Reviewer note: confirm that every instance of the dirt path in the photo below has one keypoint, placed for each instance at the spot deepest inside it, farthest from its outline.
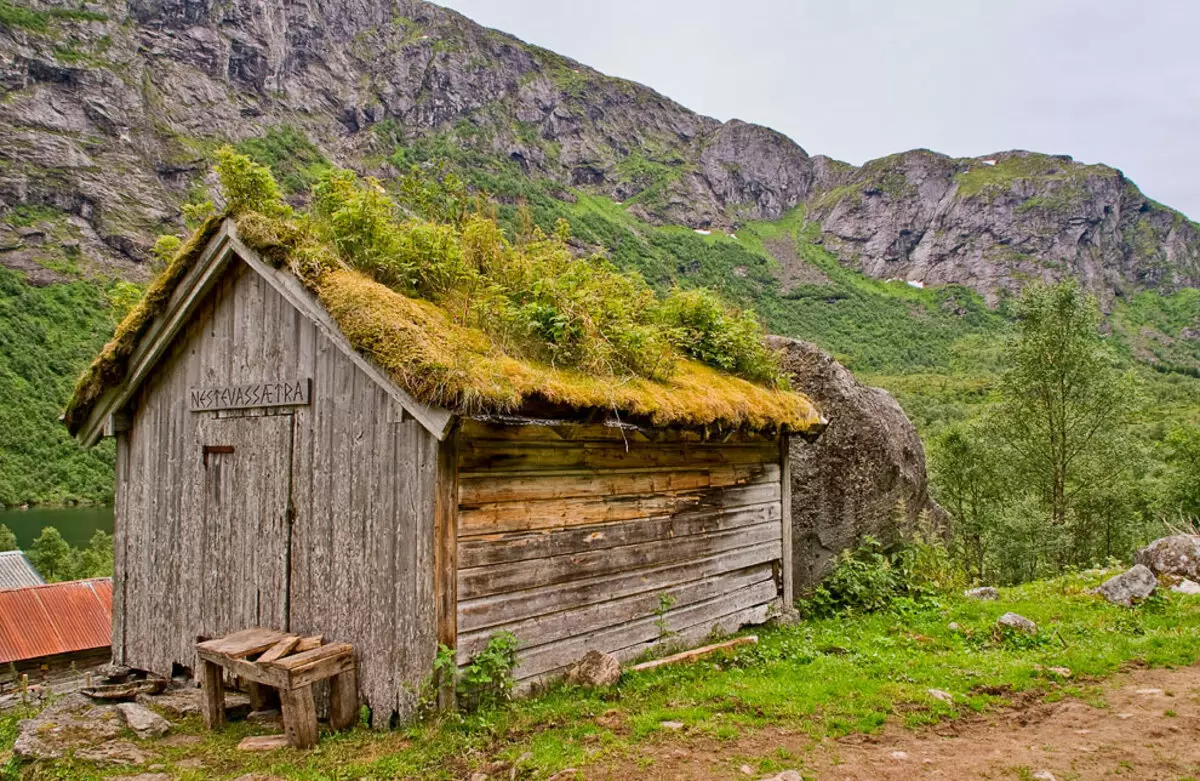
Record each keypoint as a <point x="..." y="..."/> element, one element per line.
<point x="1147" y="727"/>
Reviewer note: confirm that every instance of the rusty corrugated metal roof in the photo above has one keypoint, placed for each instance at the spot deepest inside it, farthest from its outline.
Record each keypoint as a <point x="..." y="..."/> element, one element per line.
<point x="16" y="571"/>
<point x="58" y="618"/>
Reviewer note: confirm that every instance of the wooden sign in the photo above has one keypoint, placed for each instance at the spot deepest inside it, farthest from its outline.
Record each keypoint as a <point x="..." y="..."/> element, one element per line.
<point x="287" y="393"/>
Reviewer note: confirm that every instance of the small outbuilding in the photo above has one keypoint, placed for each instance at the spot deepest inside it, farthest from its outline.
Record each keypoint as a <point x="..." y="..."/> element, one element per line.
<point x="16" y="571"/>
<point x="52" y="633"/>
<point x="276" y="468"/>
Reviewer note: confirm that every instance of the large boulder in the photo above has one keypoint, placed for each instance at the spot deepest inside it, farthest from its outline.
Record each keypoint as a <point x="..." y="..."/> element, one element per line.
<point x="865" y="475"/>
<point x="1176" y="555"/>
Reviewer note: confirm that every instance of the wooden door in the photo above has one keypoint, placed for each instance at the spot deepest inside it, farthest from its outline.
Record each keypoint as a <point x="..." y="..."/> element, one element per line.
<point x="245" y="487"/>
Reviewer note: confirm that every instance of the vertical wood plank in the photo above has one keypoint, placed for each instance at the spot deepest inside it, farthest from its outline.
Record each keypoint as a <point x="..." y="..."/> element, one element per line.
<point x="299" y="716"/>
<point x="212" y="695"/>
<point x="785" y="477"/>
<point x="343" y="700"/>
<point x="445" y="555"/>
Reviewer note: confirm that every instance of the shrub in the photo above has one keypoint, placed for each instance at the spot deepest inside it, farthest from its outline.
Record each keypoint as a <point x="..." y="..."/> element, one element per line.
<point x="488" y="678"/>
<point x="247" y="185"/>
<point x="706" y="328"/>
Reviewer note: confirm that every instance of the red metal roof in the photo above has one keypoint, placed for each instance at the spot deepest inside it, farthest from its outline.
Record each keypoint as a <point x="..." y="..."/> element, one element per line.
<point x="57" y="618"/>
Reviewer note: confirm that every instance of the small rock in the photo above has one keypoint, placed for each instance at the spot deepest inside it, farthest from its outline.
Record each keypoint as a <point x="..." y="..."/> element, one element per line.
<point x="1043" y="775"/>
<point x="787" y="775"/>
<point x="1186" y="586"/>
<point x="566" y="774"/>
<point x="179" y="702"/>
<point x="1178" y="554"/>
<point x="596" y="668"/>
<point x="1018" y="622"/>
<point x="1149" y="691"/>
<point x="263" y="743"/>
<point x="115" y="673"/>
<point x="479" y="777"/>
<point x="1135" y="584"/>
<point x="983" y="592"/>
<point x="146" y="777"/>
<point x="953" y="626"/>
<point x="144" y="722"/>
<point x="938" y="694"/>
<point x="1061" y="672"/>
<point x="746" y="770"/>
<point x="179" y="741"/>
<point x="114" y="752"/>
<point x="258" y="777"/>
<point x="671" y="725"/>
<point x="899" y="755"/>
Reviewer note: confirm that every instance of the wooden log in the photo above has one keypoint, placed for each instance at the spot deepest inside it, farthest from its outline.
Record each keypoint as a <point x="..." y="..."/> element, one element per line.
<point x="480" y="457"/>
<point x="299" y="717"/>
<point x="280" y="649"/>
<point x="695" y="653"/>
<point x="343" y="700"/>
<point x="212" y="695"/>
<point x="560" y="513"/>
<point x="498" y="579"/>
<point x="537" y="487"/>
<point x="544" y="599"/>
<point x="489" y="550"/>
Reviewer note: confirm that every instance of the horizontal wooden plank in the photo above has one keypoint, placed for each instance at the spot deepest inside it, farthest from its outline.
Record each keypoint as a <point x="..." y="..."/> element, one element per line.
<point x="251" y="671"/>
<point x="483" y="550"/>
<point x="243" y="643"/>
<point x="473" y="492"/>
<point x="499" y="578"/>
<point x="542" y="599"/>
<point x="477" y="456"/>
<point x="563" y="431"/>
<point x="686" y="637"/>
<point x="543" y="658"/>
<point x="553" y="627"/>
<point x="501" y="517"/>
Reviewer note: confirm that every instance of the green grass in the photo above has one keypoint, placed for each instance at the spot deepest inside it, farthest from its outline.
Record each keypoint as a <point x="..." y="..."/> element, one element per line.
<point x="821" y="678"/>
<point x="992" y="180"/>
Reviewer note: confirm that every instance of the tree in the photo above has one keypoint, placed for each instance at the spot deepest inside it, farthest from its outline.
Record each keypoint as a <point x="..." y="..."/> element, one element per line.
<point x="51" y="556"/>
<point x="963" y="470"/>
<point x="8" y="540"/>
<point x="96" y="560"/>
<point x="1061" y="420"/>
<point x="1183" y="492"/>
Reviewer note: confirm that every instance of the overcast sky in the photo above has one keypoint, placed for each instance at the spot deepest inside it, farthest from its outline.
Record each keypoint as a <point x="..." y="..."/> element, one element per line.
<point x="1100" y="80"/>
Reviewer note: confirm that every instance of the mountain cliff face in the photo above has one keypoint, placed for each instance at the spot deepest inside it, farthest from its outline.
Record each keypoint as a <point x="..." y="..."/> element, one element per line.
<point x="108" y="115"/>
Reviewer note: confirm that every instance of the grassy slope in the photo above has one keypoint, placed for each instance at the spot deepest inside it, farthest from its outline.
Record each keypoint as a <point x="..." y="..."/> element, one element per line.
<point x="46" y="336"/>
<point x="820" y="677"/>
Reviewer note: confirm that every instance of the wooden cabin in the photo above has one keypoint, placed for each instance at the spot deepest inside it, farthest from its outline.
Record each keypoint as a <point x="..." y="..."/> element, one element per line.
<point x="270" y="472"/>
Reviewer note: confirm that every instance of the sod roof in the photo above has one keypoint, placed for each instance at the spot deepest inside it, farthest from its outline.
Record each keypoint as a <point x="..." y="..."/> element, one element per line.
<point x="444" y="364"/>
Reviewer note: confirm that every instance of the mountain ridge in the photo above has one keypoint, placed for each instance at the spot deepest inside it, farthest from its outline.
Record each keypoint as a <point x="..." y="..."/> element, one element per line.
<point x="109" y="114"/>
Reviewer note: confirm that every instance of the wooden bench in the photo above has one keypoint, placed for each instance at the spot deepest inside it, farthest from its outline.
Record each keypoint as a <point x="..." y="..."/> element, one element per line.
<point x="289" y="664"/>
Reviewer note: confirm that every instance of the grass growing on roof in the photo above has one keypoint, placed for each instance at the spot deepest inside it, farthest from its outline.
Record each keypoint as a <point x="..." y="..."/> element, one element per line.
<point x="462" y="317"/>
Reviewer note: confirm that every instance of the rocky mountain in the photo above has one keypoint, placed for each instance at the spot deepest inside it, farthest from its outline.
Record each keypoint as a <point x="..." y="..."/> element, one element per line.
<point x="110" y="110"/>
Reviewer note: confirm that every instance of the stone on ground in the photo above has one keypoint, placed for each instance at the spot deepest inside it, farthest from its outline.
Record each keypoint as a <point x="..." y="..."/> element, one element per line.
<point x="1018" y="622"/>
<point x="114" y="752"/>
<point x="1136" y="584"/>
<point x="1175" y="555"/>
<point x="671" y="725"/>
<point x="144" y="722"/>
<point x="1043" y="775"/>
<point x="263" y="743"/>
<point x="71" y="723"/>
<point x="596" y="668"/>
<point x="983" y="592"/>
<point x="1186" y="586"/>
<point x="787" y="775"/>
<point x="938" y="694"/>
<point x="145" y="777"/>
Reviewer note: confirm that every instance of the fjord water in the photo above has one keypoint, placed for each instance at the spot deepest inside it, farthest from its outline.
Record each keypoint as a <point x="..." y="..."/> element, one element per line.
<point x="77" y="524"/>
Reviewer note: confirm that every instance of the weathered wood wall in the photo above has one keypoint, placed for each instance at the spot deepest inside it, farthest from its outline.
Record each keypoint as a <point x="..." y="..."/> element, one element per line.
<point x="319" y="521"/>
<point x="569" y="536"/>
